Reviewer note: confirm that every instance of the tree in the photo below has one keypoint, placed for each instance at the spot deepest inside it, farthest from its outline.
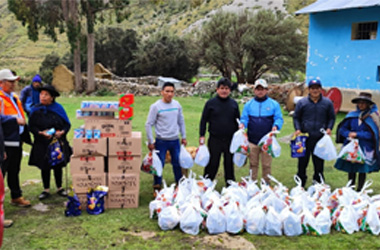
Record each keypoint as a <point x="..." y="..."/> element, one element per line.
<point x="51" y="17"/>
<point x="93" y="10"/>
<point x="70" y="13"/>
<point x="273" y="43"/>
<point x="65" y="16"/>
<point x="114" y="47"/>
<point x="165" y="54"/>
<point x="249" y="44"/>
<point x="47" y="67"/>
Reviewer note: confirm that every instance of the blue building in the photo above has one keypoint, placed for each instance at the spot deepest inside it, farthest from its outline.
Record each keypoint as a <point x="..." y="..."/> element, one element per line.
<point x="344" y="43"/>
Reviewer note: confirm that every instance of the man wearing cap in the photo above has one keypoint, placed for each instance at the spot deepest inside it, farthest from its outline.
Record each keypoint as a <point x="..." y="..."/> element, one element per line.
<point x="220" y="113"/>
<point x="363" y="125"/>
<point x="313" y="113"/>
<point x="10" y="105"/>
<point x="30" y="95"/>
<point x="260" y="115"/>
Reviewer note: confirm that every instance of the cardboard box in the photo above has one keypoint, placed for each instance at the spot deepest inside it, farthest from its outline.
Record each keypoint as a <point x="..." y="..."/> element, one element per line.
<point x="125" y="146"/>
<point x="123" y="182"/>
<point x="82" y="182"/>
<point x="87" y="165"/>
<point x="110" y="127"/>
<point x="124" y="164"/>
<point x="93" y="147"/>
<point x="123" y="200"/>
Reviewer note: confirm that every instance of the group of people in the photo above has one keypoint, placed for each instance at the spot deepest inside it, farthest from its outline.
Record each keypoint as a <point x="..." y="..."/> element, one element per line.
<point x="44" y="114"/>
<point x="261" y="115"/>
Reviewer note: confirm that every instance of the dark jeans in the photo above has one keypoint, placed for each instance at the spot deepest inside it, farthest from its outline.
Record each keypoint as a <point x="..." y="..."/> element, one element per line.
<point x="304" y="161"/>
<point x="217" y="147"/>
<point x="11" y="170"/>
<point x="174" y="149"/>
<point x="45" y="174"/>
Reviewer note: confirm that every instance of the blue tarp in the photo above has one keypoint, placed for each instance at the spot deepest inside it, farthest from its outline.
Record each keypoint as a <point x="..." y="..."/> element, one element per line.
<point x="333" y="5"/>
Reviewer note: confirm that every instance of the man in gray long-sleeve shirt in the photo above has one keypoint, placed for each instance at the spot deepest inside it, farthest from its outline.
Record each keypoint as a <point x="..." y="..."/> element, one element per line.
<point x="166" y="116"/>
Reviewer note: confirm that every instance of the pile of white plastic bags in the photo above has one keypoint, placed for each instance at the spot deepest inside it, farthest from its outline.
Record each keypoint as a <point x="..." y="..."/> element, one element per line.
<point x="195" y="205"/>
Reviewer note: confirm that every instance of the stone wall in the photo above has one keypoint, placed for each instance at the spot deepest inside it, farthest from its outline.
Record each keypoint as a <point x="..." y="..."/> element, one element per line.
<point x="147" y="86"/>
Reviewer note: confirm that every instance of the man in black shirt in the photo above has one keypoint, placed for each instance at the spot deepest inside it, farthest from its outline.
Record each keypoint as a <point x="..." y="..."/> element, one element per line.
<point x="220" y="113"/>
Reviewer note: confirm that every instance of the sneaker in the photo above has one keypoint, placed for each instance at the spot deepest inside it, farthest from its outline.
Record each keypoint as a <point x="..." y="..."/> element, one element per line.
<point x="8" y="223"/>
<point x="20" y="202"/>
<point x="62" y="192"/>
<point x="156" y="189"/>
<point x="44" y="195"/>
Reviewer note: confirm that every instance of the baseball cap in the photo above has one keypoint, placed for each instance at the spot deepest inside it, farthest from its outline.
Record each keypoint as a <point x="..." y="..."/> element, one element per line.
<point x="6" y="74"/>
<point x="262" y="83"/>
<point x="313" y="82"/>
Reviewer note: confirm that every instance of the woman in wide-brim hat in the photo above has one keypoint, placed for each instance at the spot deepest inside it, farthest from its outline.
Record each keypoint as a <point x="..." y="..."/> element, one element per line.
<point x="43" y="117"/>
<point x="361" y="124"/>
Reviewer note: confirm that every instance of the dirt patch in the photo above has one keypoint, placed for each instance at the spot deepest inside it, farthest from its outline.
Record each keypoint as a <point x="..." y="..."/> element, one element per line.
<point x="143" y="234"/>
<point x="41" y="207"/>
<point x="226" y="241"/>
<point x="31" y="182"/>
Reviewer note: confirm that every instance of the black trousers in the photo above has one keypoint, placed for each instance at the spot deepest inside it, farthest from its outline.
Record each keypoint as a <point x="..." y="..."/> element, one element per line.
<point x="11" y="170"/>
<point x="45" y="174"/>
<point x="217" y="147"/>
<point x="317" y="162"/>
<point x="362" y="177"/>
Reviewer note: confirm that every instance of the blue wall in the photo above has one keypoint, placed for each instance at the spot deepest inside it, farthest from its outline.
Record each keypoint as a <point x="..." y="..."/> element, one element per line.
<point x="336" y="59"/>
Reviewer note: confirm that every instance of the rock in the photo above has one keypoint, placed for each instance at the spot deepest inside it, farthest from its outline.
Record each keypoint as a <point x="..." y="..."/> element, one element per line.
<point x="63" y="79"/>
<point x="102" y="72"/>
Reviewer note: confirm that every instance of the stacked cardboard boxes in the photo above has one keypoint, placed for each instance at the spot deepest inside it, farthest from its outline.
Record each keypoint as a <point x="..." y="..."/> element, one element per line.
<point x="124" y="160"/>
<point x="112" y="159"/>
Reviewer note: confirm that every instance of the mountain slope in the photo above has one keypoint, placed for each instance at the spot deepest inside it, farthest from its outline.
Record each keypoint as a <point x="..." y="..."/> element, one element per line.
<point x="24" y="56"/>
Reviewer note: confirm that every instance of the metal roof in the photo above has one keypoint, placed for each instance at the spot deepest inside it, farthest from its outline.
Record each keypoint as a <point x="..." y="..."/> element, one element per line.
<point x="333" y="5"/>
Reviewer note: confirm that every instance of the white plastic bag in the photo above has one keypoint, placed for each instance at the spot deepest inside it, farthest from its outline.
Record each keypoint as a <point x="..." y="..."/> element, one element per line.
<point x="168" y="218"/>
<point x="309" y="223"/>
<point x="325" y="148"/>
<point x="239" y="159"/>
<point x="203" y="156"/>
<point x="291" y="223"/>
<point x="352" y="152"/>
<point x="239" y="142"/>
<point x="185" y="159"/>
<point x="297" y="190"/>
<point x="273" y="225"/>
<point x="372" y="220"/>
<point x="191" y="220"/>
<point x="234" y="218"/>
<point x="347" y="220"/>
<point x="216" y="219"/>
<point x="323" y="221"/>
<point x="255" y="221"/>
<point x="152" y="164"/>
<point x="269" y="144"/>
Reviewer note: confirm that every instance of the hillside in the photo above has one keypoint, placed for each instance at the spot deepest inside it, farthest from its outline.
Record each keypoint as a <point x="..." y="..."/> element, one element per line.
<point x="19" y="53"/>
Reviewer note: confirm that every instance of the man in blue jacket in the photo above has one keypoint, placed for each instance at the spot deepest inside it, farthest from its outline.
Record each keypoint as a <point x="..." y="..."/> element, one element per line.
<point x="313" y="113"/>
<point x="30" y="95"/>
<point x="260" y="116"/>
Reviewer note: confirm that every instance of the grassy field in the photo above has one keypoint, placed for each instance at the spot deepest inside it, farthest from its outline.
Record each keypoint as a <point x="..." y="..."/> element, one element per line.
<point x="119" y="228"/>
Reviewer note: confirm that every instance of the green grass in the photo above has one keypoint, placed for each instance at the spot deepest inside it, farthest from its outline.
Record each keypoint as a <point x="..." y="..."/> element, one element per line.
<point x="115" y="228"/>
